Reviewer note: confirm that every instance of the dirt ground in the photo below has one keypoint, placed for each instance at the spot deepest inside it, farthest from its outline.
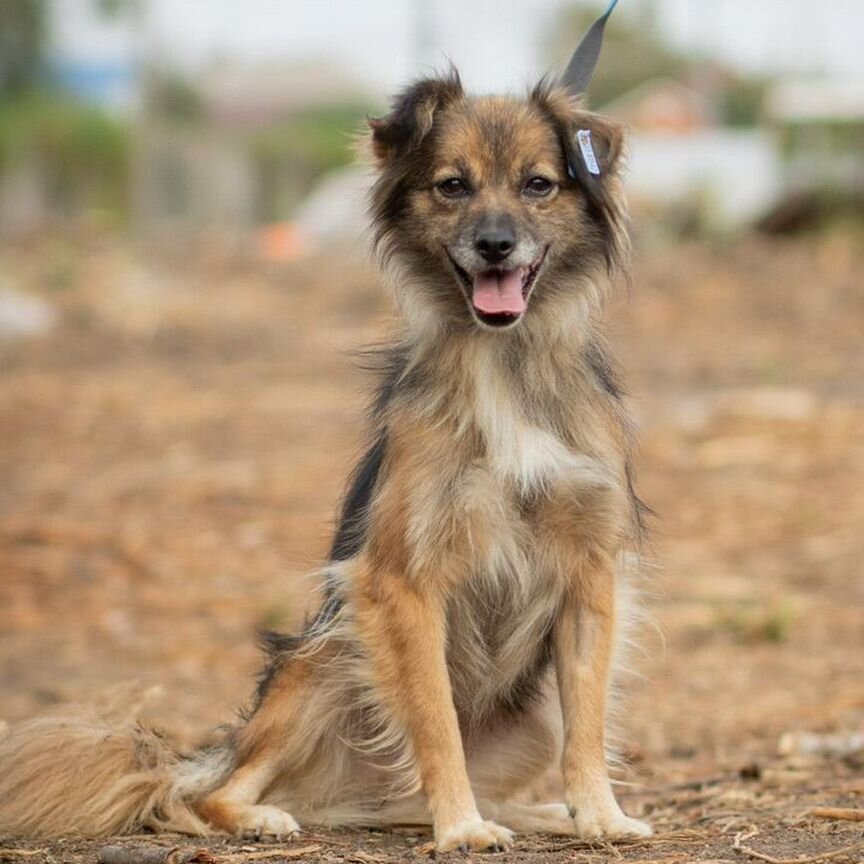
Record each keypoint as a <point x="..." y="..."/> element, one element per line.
<point x="172" y="451"/>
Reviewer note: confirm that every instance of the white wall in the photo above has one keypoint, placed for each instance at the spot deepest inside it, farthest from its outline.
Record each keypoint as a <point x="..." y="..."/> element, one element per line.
<point x="734" y="175"/>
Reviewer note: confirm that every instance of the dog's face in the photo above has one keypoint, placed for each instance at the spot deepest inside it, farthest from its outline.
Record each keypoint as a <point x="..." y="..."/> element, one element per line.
<point x="489" y="204"/>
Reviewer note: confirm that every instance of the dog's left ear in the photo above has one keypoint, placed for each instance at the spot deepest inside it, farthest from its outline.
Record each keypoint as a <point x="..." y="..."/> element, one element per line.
<point x="593" y="145"/>
<point x="593" y="149"/>
<point x="412" y="116"/>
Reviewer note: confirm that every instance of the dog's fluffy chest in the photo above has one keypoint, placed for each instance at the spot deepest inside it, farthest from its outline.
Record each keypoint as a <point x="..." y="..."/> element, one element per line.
<point x="519" y="452"/>
<point x="518" y="448"/>
<point x="502" y="468"/>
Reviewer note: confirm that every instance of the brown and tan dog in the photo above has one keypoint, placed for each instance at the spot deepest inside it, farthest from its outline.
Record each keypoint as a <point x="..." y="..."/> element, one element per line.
<point x="471" y="590"/>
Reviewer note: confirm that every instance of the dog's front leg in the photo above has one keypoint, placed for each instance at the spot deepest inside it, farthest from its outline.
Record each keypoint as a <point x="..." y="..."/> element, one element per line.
<point x="583" y="643"/>
<point x="404" y="630"/>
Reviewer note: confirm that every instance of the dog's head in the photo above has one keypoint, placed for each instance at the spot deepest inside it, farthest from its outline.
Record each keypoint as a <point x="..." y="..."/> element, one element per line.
<point x="492" y="209"/>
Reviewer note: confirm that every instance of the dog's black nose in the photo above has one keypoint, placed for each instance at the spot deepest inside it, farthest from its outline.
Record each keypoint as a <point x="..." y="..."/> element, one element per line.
<point x="495" y="239"/>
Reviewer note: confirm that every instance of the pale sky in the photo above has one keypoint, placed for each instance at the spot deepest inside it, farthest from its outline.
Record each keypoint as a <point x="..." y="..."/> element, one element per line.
<point x="497" y="44"/>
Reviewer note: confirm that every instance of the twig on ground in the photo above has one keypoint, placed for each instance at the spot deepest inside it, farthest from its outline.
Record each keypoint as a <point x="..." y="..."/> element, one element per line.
<point x="152" y="854"/>
<point x="738" y="846"/>
<point x="666" y="859"/>
<point x="20" y="853"/>
<point x="323" y="838"/>
<point x="367" y="858"/>
<point x="174" y="855"/>
<point x="849" y="814"/>
<point x="293" y="852"/>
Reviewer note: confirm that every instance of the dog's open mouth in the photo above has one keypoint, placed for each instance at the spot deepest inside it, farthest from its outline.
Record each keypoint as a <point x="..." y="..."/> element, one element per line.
<point x="499" y="296"/>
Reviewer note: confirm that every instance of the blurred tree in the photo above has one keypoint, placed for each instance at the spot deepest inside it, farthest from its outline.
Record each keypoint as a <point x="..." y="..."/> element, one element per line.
<point x="22" y="46"/>
<point x="172" y="96"/>
<point x="742" y="101"/>
<point x="79" y="153"/>
<point x="292" y="154"/>
<point x="76" y="156"/>
<point x="116" y="8"/>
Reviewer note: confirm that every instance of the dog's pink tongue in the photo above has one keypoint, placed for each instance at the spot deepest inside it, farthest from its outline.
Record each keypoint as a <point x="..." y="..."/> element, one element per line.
<point x="499" y="293"/>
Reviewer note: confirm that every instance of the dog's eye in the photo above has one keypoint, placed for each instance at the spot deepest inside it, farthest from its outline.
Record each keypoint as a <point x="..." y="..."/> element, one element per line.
<point x="538" y="186"/>
<point x="453" y="187"/>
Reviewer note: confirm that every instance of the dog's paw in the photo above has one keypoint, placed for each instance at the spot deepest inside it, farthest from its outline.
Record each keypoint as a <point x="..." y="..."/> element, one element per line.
<point x="474" y="835"/>
<point x="608" y="823"/>
<point x="261" y="820"/>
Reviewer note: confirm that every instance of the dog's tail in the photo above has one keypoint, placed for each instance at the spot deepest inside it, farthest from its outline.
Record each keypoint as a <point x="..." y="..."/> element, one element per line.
<point x="95" y="770"/>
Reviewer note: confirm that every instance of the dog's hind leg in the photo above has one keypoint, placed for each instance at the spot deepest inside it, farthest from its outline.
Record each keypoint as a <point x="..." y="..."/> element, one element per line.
<point x="265" y="748"/>
<point x="530" y="818"/>
<point x="524" y="818"/>
<point x="512" y="755"/>
<point x="233" y="807"/>
<point x="517" y="758"/>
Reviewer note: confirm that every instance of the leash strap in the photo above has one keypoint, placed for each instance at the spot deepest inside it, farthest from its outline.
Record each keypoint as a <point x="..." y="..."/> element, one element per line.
<point x="577" y="76"/>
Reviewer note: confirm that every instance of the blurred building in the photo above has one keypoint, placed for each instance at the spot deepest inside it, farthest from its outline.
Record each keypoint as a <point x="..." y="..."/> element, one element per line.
<point x="685" y="165"/>
<point x="664" y="105"/>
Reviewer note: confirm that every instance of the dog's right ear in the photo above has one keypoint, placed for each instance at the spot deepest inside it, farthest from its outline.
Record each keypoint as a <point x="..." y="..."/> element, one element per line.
<point x="411" y="116"/>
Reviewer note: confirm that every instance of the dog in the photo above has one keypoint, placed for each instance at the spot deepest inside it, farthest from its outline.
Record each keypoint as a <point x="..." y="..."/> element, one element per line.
<point x="473" y="593"/>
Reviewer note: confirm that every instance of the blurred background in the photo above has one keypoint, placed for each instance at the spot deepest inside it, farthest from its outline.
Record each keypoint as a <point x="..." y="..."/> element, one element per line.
<point x="183" y="278"/>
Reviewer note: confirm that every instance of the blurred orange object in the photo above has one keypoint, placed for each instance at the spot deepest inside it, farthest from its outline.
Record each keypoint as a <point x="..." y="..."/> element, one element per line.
<point x="279" y="242"/>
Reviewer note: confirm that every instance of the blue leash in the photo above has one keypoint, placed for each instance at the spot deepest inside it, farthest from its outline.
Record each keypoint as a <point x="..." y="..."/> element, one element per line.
<point x="577" y="76"/>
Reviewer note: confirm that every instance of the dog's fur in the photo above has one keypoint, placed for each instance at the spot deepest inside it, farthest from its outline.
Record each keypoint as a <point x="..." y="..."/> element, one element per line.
<point x="470" y="596"/>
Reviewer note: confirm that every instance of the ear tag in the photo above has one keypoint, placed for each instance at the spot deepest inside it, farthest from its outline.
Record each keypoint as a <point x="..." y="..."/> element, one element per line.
<point x="583" y="136"/>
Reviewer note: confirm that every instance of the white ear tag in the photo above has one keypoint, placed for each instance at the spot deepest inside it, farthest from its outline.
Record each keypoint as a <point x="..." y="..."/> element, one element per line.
<point x="583" y="136"/>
